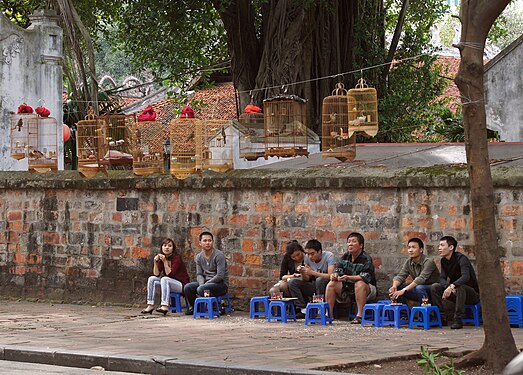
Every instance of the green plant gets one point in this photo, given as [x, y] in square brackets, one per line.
[429, 365]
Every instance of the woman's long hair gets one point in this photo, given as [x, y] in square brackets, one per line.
[292, 247]
[167, 240]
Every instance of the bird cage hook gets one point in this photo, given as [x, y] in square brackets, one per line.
[41, 102]
[284, 88]
[339, 90]
[90, 111]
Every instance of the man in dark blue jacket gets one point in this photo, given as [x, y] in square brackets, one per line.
[458, 285]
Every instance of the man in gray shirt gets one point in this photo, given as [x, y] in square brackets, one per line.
[421, 269]
[315, 275]
[212, 273]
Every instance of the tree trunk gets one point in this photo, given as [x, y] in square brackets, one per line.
[297, 42]
[477, 17]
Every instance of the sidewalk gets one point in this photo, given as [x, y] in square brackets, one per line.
[120, 339]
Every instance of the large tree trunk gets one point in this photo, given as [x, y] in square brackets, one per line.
[477, 17]
[300, 43]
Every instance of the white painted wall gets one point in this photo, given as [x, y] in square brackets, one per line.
[30, 71]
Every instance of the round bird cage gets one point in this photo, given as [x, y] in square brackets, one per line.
[335, 140]
[117, 141]
[186, 147]
[147, 147]
[252, 135]
[44, 156]
[90, 143]
[23, 130]
[285, 124]
[363, 115]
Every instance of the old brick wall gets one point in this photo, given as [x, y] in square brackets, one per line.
[72, 239]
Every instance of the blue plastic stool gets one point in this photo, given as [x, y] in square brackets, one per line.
[429, 317]
[384, 301]
[472, 314]
[392, 315]
[281, 311]
[228, 308]
[176, 302]
[255, 304]
[206, 307]
[515, 310]
[318, 312]
[374, 310]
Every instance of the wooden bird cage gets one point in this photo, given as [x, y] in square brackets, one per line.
[363, 116]
[335, 140]
[147, 147]
[217, 150]
[118, 141]
[23, 132]
[252, 140]
[285, 122]
[186, 147]
[44, 156]
[91, 146]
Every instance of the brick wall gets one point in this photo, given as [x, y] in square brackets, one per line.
[71, 239]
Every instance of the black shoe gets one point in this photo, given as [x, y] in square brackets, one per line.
[189, 311]
[145, 311]
[300, 315]
[162, 311]
[458, 324]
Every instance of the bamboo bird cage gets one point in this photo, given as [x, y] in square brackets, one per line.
[91, 146]
[23, 131]
[186, 147]
[44, 157]
[335, 140]
[252, 142]
[147, 147]
[363, 115]
[217, 150]
[285, 124]
[117, 141]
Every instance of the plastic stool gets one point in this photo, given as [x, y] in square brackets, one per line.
[228, 308]
[392, 315]
[206, 307]
[384, 301]
[515, 310]
[176, 302]
[425, 313]
[472, 314]
[374, 310]
[255, 304]
[318, 312]
[281, 311]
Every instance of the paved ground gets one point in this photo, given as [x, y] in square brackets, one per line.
[120, 339]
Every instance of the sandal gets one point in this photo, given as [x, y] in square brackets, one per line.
[356, 320]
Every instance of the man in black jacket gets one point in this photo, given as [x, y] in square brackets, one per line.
[458, 285]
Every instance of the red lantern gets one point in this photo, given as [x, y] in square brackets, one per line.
[67, 132]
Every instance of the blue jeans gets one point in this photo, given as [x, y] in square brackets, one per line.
[167, 286]
[193, 290]
[415, 294]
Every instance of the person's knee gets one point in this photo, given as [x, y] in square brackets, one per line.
[435, 288]
[361, 287]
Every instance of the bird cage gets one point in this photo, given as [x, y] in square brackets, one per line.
[186, 147]
[363, 115]
[90, 145]
[118, 141]
[285, 123]
[217, 151]
[23, 131]
[252, 138]
[335, 140]
[147, 147]
[44, 156]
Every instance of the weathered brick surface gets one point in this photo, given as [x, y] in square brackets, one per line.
[64, 237]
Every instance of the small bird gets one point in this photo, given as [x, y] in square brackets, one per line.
[224, 136]
[19, 124]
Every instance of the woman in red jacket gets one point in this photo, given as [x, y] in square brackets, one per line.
[169, 273]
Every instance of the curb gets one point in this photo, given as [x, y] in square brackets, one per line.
[137, 364]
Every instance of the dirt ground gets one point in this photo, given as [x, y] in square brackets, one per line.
[406, 366]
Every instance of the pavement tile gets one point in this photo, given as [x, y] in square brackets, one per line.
[118, 334]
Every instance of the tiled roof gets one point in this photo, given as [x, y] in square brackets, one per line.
[451, 65]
